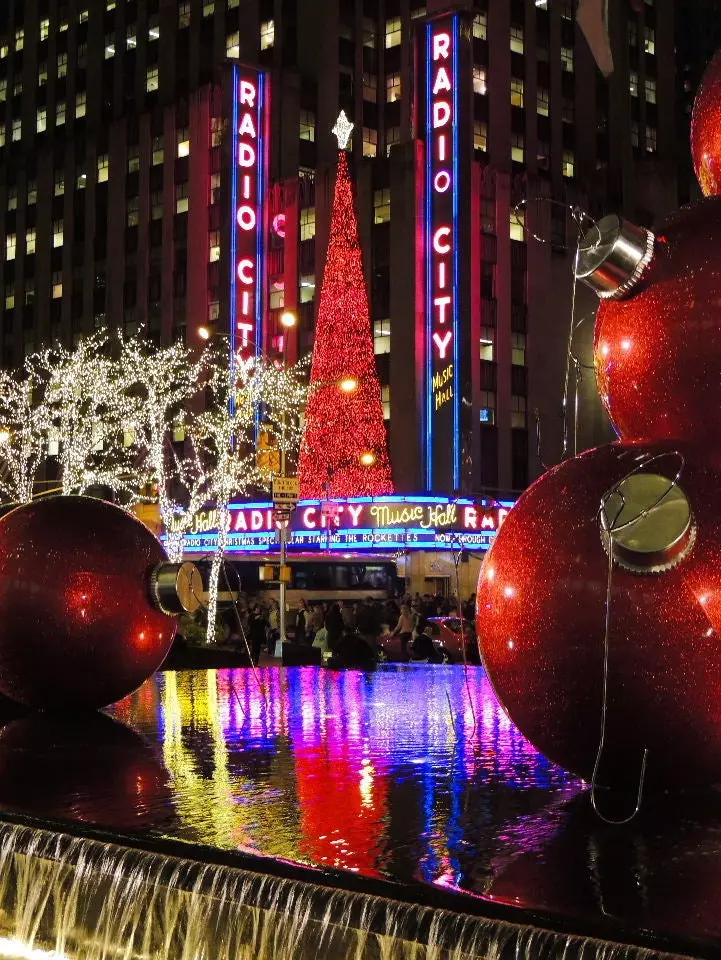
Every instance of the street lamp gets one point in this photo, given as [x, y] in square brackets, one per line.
[288, 320]
[368, 458]
[348, 384]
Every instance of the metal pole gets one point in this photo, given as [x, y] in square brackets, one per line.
[281, 619]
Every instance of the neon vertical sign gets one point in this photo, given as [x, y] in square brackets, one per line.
[248, 200]
[443, 466]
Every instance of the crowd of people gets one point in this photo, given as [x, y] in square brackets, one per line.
[347, 632]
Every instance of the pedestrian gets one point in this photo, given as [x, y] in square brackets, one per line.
[334, 625]
[348, 614]
[404, 628]
[273, 626]
[257, 626]
[301, 623]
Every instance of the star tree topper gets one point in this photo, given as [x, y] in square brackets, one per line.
[342, 129]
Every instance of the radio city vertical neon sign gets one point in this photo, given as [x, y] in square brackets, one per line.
[248, 189]
[443, 466]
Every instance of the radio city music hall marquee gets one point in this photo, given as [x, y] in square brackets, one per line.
[441, 254]
[248, 193]
[357, 523]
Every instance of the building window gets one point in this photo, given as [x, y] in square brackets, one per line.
[60, 113]
[267, 34]
[518, 412]
[156, 205]
[209, 8]
[158, 152]
[232, 45]
[44, 29]
[543, 99]
[80, 104]
[370, 87]
[518, 349]
[183, 139]
[133, 158]
[649, 40]
[62, 64]
[516, 92]
[307, 288]
[103, 168]
[382, 205]
[3, 91]
[307, 125]
[29, 292]
[17, 86]
[19, 38]
[17, 129]
[370, 142]
[568, 163]
[307, 223]
[649, 89]
[393, 136]
[480, 26]
[215, 188]
[57, 233]
[181, 197]
[233, 3]
[183, 15]
[81, 178]
[43, 73]
[517, 39]
[153, 29]
[651, 139]
[517, 224]
[393, 87]
[488, 407]
[10, 246]
[480, 80]
[381, 337]
[386, 401]
[214, 246]
[82, 16]
[518, 149]
[567, 59]
[634, 133]
[63, 26]
[276, 299]
[9, 297]
[488, 343]
[393, 32]
[59, 183]
[152, 79]
[32, 195]
[4, 51]
[132, 211]
[13, 198]
[41, 120]
[82, 55]
[57, 281]
[632, 33]
[480, 136]
[569, 110]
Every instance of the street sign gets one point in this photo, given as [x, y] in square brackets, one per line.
[286, 490]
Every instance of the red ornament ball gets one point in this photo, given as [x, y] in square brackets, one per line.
[77, 627]
[658, 352]
[541, 621]
[706, 129]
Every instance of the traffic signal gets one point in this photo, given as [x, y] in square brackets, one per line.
[271, 573]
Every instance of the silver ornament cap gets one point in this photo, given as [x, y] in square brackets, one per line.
[613, 256]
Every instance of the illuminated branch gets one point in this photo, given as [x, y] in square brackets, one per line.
[22, 437]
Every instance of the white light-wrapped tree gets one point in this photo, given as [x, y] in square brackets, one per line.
[161, 386]
[280, 393]
[81, 406]
[23, 442]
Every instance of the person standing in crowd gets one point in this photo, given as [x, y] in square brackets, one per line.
[257, 626]
[334, 625]
[404, 628]
[301, 623]
[317, 618]
[348, 614]
[273, 625]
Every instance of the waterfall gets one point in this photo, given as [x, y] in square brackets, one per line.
[74, 898]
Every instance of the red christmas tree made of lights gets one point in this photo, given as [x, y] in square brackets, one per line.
[341, 427]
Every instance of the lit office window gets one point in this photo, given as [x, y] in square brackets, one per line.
[17, 129]
[82, 16]
[183, 15]
[393, 136]
[216, 131]
[232, 45]
[57, 284]
[132, 211]
[158, 153]
[649, 89]
[209, 8]
[10, 246]
[41, 120]
[81, 100]
[488, 342]
[19, 38]
[480, 136]
[57, 233]
[4, 51]
[516, 92]
[9, 297]
[651, 139]
[307, 223]
[17, 86]
[480, 80]
[393, 87]
[103, 168]
[267, 34]
[183, 140]
[370, 87]
[633, 83]
[3, 91]
[543, 99]
[44, 28]
[382, 205]
[480, 26]
[568, 163]
[81, 177]
[517, 224]
[59, 113]
[381, 337]
[307, 125]
[13, 198]
[153, 29]
[518, 148]
[133, 158]
[62, 64]
[181, 197]
[131, 39]
[151, 79]
[370, 142]
[518, 349]
[393, 32]
[42, 73]
[517, 39]
[59, 189]
[214, 246]
[567, 59]
[233, 3]
[30, 239]
[649, 40]
[386, 401]
[307, 288]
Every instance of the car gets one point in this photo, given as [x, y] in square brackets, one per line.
[445, 632]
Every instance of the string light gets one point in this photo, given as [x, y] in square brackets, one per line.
[340, 424]
[22, 437]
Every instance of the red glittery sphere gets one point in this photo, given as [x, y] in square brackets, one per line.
[706, 129]
[541, 627]
[658, 352]
[77, 627]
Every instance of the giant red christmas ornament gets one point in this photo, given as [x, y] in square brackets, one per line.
[657, 344]
[706, 129]
[542, 613]
[78, 627]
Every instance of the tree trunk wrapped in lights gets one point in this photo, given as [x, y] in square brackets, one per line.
[23, 442]
[344, 451]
